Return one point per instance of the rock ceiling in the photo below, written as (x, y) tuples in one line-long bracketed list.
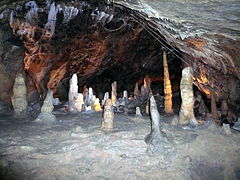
[(62, 36)]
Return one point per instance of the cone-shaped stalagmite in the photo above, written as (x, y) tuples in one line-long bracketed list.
[(106, 97), (186, 114), (167, 86), (114, 93), (19, 100), (108, 115), (73, 93), (46, 115), (97, 106), (156, 136)]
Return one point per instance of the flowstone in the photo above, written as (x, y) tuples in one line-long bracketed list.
[(46, 115)]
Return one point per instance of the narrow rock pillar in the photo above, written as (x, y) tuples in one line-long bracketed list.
[(114, 93), (73, 93), (167, 87)]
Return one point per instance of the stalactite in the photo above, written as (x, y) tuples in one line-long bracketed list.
[(167, 86), (69, 13), (52, 18)]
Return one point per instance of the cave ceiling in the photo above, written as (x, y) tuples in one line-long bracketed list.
[(203, 34)]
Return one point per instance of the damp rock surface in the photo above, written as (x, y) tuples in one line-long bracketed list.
[(76, 148)]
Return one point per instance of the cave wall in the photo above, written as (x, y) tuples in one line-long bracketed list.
[(11, 61)]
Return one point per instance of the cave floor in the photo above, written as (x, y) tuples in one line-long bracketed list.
[(76, 148)]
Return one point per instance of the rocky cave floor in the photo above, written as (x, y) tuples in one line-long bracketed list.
[(76, 148)]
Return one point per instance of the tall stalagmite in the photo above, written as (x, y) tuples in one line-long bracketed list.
[(19, 100), (156, 136), (114, 93), (73, 93), (186, 114), (167, 86)]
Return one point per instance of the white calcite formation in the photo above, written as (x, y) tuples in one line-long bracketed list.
[(186, 114), (108, 116), (106, 97), (138, 112), (46, 115), (73, 93), (19, 100), (80, 102)]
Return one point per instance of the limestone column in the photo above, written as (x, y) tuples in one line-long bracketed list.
[(167, 87), (108, 115), (125, 95), (46, 115), (73, 93), (19, 99), (186, 114), (114, 93)]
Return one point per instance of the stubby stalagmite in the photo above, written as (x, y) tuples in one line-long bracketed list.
[(46, 115), (186, 114), (108, 115)]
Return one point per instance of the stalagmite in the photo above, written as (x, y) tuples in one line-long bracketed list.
[(214, 110), (125, 95), (73, 93), (108, 115), (80, 103), (19, 100), (186, 114), (114, 93), (167, 86), (138, 111), (136, 90), (106, 97), (147, 84), (97, 106), (46, 115), (156, 136)]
